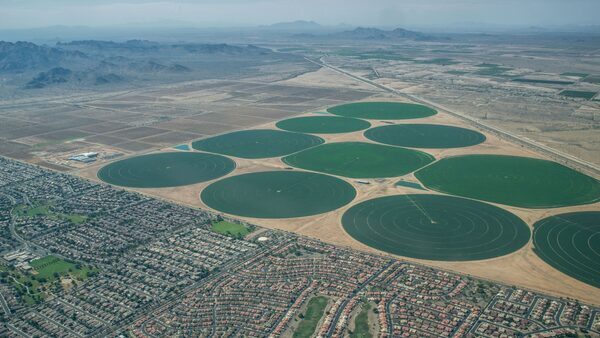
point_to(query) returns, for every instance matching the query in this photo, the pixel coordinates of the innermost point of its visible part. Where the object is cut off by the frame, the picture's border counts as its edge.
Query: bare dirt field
(522, 268)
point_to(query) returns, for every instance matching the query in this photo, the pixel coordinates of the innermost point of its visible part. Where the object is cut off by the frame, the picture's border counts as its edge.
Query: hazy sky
(203, 13)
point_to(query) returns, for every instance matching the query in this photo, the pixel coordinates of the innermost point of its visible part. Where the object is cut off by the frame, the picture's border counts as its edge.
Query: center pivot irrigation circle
(162, 170)
(278, 194)
(436, 227)
(571, 243)
(359, 160)
(383, 110)
(425, 136)
(323, 124)
(260, 143)
(512, 180)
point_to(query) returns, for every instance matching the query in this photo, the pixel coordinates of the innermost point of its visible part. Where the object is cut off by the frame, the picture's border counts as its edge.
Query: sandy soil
(325, 77)
(522, 268)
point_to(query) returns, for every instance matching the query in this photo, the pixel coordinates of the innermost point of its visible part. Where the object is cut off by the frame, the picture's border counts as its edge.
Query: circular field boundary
(428, 136)
(167, 169)
(257, 143)
(571, 244)
(382, 110)
(524, 182)
(436, 227)
(323, 124)
(359, 160)
(278, 194)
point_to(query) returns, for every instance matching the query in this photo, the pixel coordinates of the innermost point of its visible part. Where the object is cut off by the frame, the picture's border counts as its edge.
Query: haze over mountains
(102, 62)
(91, 62)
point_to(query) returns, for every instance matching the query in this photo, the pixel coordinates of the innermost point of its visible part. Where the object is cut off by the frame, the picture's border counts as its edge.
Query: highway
(557, 155)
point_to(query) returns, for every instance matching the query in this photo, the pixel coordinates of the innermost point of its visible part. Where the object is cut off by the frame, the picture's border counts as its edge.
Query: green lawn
(46, 210)
(361, 323)
(230, 229)
(314, 311)
(37, 285)
(27, 211)
(47, 266)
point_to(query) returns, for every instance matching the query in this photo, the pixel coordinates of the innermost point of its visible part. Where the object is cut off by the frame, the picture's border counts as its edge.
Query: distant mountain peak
(298, 25)
(371, 33)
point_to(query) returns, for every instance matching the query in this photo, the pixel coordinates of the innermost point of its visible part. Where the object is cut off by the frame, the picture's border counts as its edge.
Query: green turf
(261, 143)
(46, 275)
(45, 210)
(571, 243)
(425, 136)
(230, 229)
(47, 267)
(314, 312)
(323, 124)
(435, 227)
(161, 170)
(359, 160)
(32, 211)
(278, 194)
(383, 110)
(361, 323)
(518, 181)
(578, 94)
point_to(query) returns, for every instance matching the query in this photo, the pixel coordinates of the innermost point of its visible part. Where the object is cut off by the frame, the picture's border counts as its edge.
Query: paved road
(567, 159)
(342, 306)
(4, 305)
(11, 226)
(164, 304)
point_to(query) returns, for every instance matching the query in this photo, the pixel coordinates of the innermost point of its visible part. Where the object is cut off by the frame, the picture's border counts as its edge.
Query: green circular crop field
(383, 110)
(261, 143)
(511, 180)
(436, 227)
(278, 194)
(359, 160)
(425, 136)
(571, 243)
(323, 124)
(162, 170)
